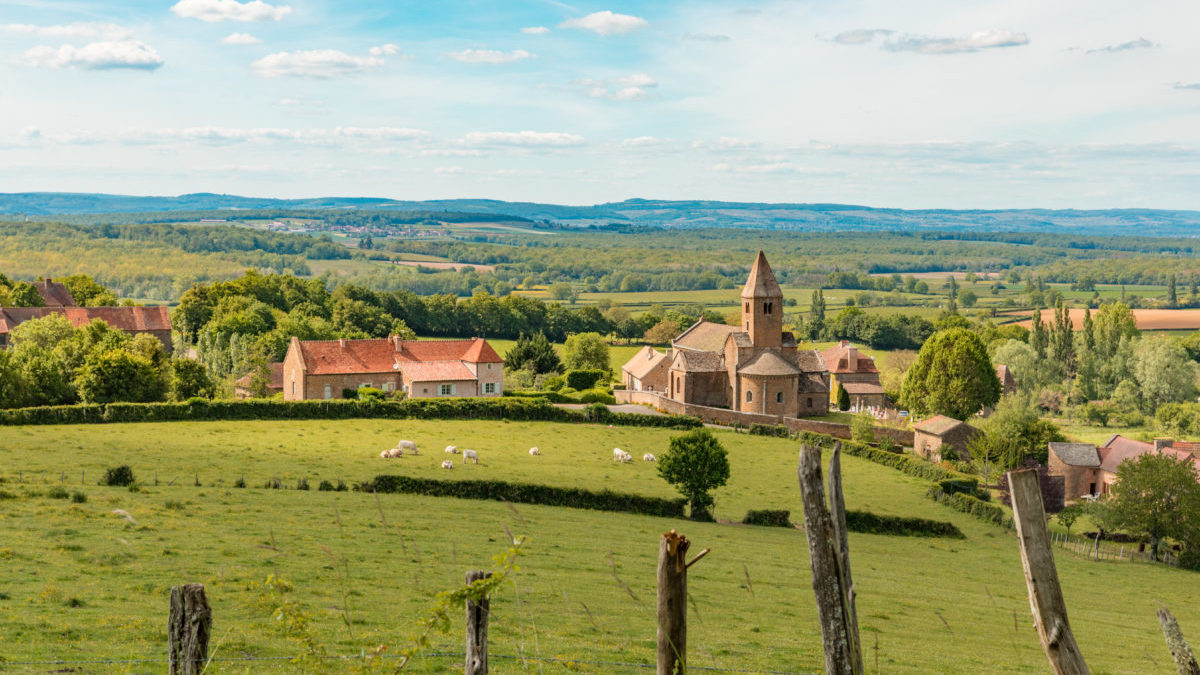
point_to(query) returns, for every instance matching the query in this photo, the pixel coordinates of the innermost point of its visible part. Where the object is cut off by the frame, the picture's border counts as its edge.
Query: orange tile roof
(436, 371)
(325, 357)
(129, 319)
(475, 350)
(276, 375)
(54, 294)
(837, 360)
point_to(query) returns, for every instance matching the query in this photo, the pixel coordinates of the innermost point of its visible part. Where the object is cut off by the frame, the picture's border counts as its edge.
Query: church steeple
(762, 305)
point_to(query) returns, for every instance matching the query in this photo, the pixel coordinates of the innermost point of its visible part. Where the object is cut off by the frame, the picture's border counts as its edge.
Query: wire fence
(1111, 550)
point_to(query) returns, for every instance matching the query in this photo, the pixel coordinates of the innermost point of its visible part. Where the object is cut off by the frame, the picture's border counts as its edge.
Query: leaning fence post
(189, 624)
(1185, 660)
(672, 603)
(830, 577)
(1041, 576)
(477, 628)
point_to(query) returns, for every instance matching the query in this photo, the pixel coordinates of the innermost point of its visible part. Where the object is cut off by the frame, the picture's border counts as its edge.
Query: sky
(920, 104)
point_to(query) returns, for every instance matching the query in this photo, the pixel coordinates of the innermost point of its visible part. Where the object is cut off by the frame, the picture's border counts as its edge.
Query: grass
(930, 605)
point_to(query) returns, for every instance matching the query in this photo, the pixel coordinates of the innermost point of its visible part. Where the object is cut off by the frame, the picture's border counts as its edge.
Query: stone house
(856, 373)
(1092, 470)
(1079, 466)
(753, 367)
(646, 371)
(155, 321)
(930, 436)
(323, 369)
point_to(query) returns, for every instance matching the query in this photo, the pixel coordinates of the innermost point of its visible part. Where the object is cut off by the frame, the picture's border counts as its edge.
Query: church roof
(704, 336)
(644, 362)
(761, 282)
(697, 362)
(768, 363)
(811, 383)
(810, 361)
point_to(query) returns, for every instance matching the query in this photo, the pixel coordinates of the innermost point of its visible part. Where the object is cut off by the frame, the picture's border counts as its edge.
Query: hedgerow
(871, 523)
(526, 493)
(769, 518)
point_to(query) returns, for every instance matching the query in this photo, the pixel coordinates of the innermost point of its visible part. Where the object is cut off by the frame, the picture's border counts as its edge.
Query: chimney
(852, 359)
(844, 343)
(398, 343)
(342, 343)
(1161, 443)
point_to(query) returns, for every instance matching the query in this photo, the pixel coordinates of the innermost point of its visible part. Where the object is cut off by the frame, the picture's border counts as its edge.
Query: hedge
(514, 408)
(585, 378)
(972, 506)
(870, 523)
(525, 493)
(768, 518)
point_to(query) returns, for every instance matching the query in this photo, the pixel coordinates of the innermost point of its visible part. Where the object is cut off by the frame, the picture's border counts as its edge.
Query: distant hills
(653, 212)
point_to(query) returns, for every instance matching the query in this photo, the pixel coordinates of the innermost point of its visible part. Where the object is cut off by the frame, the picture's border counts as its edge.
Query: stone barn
(931, 435)
(1079, 466)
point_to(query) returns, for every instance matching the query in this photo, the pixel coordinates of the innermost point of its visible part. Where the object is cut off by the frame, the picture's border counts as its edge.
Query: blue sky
(935, 103)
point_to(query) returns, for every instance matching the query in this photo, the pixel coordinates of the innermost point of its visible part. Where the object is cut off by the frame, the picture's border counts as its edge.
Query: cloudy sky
(1013, 103)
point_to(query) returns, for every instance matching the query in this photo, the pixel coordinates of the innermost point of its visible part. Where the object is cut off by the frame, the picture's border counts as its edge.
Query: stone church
(753, 367)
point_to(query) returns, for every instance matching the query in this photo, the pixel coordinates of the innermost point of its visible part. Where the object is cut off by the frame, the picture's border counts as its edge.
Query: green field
(85, 583)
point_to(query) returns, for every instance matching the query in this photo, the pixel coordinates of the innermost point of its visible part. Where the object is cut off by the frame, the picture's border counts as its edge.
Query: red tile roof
(704, 336)
(276, 375)
(129, 319)
(837, 359)
(436, 371)
(1118, 449)
(54, 294)
(325, 357)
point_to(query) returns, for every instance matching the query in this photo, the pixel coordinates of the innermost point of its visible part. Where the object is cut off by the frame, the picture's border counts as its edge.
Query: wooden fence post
(477, 628)
(1185, 660)
(828, 556)
(672, 603)
(1041, 576)
(189, 625)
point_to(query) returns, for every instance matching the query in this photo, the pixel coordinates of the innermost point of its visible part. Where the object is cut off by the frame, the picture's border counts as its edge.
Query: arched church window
(779, 397)
(749, 396)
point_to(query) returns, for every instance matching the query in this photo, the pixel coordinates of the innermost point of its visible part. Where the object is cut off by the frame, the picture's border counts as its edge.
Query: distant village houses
(324, 369)
(755, 367)
(155, 321)
(1089, 470)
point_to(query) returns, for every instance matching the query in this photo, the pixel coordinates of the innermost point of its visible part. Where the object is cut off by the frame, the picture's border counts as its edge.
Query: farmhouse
(323, 369)
(755, 367)
(154, 321)
(1091, 470)
(856, 373)
(54, 294)
(932, 435)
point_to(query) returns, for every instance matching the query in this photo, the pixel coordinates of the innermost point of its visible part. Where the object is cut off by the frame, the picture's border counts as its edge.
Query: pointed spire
(761, 283)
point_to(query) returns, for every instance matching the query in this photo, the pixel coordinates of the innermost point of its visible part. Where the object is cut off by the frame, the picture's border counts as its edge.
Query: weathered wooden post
(1185, 660)
(1041, 576)
(189, 625)
(477, 627)
(828, 553)
(672, 603)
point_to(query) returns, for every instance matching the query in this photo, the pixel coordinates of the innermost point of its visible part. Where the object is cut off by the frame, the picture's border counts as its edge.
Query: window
(388, 386)
(808, 402)
(489, 387)
(747, 307)
(767, 307)
(446, 390)
(364, 384)
(328, 391)
(749, 396)
(489, 366)
(747, 325)
(779, 397)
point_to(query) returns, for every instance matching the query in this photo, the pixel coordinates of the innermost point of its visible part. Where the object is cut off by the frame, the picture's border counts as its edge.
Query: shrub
(240, 482)
(584, 379)
(325, 486)
(58, 492)
(301, 483)
(524, 493)
(862, 428)
(598, 412)
(889, 444)
(954, 485)
(768, 518)
(5, 494)
(774, 430)
(273, 484)
(870, 523)
(78, 497)
(118, 476)
(341, 486)
(596, 396)
(971, 506)
(554, 383)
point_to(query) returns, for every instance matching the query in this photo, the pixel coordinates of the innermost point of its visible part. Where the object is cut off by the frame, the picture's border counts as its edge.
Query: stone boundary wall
(726, 417)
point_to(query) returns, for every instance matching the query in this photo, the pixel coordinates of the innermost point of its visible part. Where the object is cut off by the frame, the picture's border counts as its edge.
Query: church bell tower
(762, 306)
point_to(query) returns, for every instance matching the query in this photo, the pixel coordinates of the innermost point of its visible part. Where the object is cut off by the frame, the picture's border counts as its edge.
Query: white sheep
(385, 454)
(648, 458)
(451, 450)
(447, 464)
(470, 454)
(620, 455)
(408, 446)
(393, 452)
(534, 451)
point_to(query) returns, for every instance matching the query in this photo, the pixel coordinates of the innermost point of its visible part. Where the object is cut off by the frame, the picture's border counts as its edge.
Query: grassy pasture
(930, 605)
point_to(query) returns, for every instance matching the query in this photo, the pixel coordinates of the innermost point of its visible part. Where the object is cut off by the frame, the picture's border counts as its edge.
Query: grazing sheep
(620, 455)
(408, 446)
(451, 449)
(534, 451)
(385, 454)
(393, 452)
(648, 457)
(470, 454)
(447, 464)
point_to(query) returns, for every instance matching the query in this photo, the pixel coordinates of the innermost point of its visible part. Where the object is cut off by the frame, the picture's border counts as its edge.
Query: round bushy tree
(953, 376)
(695, 463)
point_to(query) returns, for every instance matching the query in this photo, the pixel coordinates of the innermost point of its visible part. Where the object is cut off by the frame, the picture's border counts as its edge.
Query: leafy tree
(118, 375)
(816, 314)
(862, 428)
(535, 353)
(23, 294)
(584, 351)
(1014, 433)
(968, 298)
(562, 291)
(1038, 337)
(88, 293)
(695, 463)
(952, 376)
(1172, 298)
(952, 296)
(1113, 322)
(1156, 496)
(1068, 516)
(190, 379)
(1164, 372)
(843, 398)
(662, 332)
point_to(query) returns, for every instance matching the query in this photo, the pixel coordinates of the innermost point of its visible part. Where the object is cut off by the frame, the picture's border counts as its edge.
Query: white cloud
(636, 80)
(1193, 86)
(706, 37)
(606, 23)
(629, 94)
(232, 135)
(240, 39)
(860, 35)
(493, 56)
(388, 49)
(316, 63)
(230, 10)
(105, 31)
(107, 55)
(452, 152)
(1140, 43)
(623, 88)
(523, 138)
(535, 30)
(986, 39)
(646, 142)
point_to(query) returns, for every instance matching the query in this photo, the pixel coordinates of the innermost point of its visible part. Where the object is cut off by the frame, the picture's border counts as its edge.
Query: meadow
(82, 582)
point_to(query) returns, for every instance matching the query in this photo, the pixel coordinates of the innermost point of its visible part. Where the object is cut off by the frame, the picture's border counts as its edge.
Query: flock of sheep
(406, 447)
